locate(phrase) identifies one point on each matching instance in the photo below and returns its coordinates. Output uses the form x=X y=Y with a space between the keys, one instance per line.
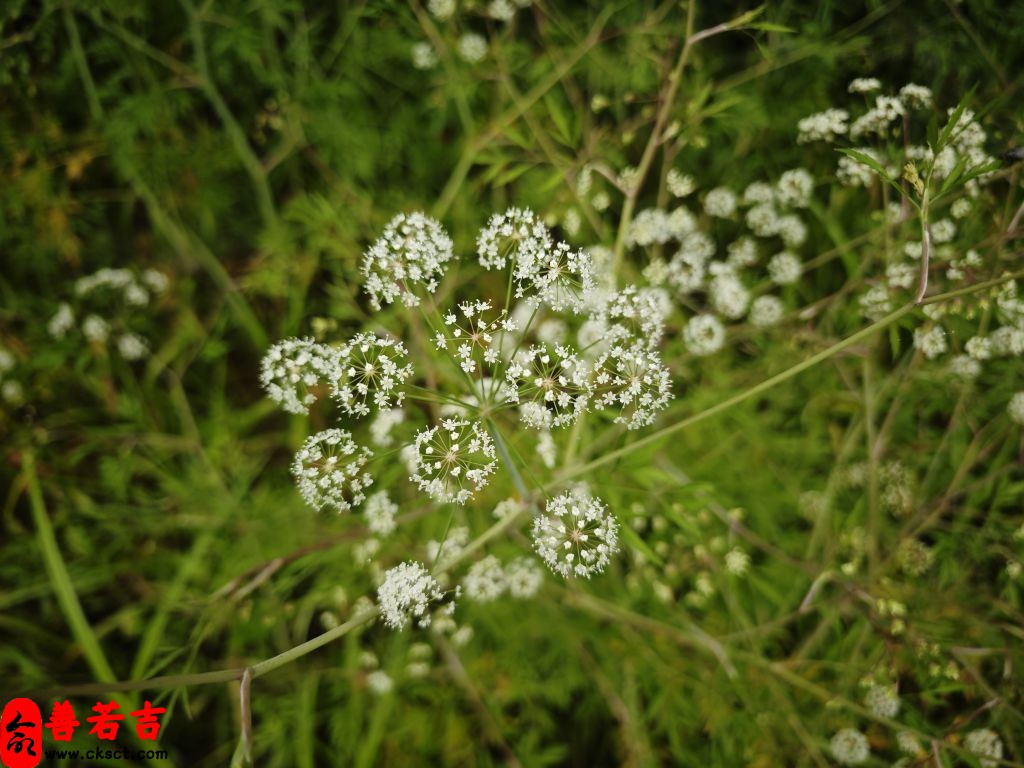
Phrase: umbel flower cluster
x=938 y=213
x=561 y=347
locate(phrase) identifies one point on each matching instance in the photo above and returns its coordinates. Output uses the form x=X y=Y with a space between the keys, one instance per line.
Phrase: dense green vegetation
x=826 y=518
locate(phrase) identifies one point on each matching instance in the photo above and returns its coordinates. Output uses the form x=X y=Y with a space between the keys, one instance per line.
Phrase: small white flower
x=453 y=461
x=916 y=96
x=370 y=369
x=850 y=747
x=381 y=426
x=876 y=303
x=406 y=593
x=524 y=577
x=328 y=470
x=737 y=562
x=292 y=368
x=501 y=10
x=758 y=192
x=632 y=381
x=883 y=700
x=704 y=335
x=795 y=188
x=576 y=536
x=95 y=329
x=943 y=230
x=485 y=580
x=784 y=268
x=632 y=316
x=1015 y=408
x=424 y=56
x=680 y=184
x=964 y=367
x=61 y=322
x=931 y=341
x=380 y=512
x=985 y=743
x=412 y=252
x=516 y=235
x=155 y=280
x=864 y=85
x=131 y=346
x=742 y=253
x=561 y=278
x=823 y=126
x=720 y=202
x=379 y=682
x=728 y=295
x=471 y=337
x=472 y=48
x=960 y=208
x=12 y=392
x=441 y=9
x=908 y=743
x=765 y=311
x=549 y=384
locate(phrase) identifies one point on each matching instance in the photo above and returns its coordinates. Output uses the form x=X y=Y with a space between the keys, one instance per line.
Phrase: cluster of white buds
x=576 y=535
x=107 y=302
x=411 y=254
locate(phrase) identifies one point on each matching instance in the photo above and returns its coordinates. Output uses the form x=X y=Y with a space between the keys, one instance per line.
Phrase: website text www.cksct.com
x=101 y=753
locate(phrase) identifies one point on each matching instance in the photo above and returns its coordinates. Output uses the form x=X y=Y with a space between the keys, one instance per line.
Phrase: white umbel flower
x=931 y=341
x=453 y=461
x=632 y=316
x=328 y=469
x=61 y=322
x=728 y=295
x=850 y=747
x=1015 y=408
x=765 y=311
x=823 y=126
x=412 y=252
x=864 y=85
x=524 y=577
x=680 y=184
x=513 y=236
x=784 y=268
x=795 y=187
x=472 y=47
x=379 y=682
x=406 y=594
x=560 y=277
x=471 y=337
x=704 y=335
x=632 y=381
x=131 y=346
x=883 y=700
x=293 y=368
x=576 y=535
x=720 y=202
x=380 y=512
x=987 y=745
x=371 y=370
x=549 y=384
x=485 y=580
